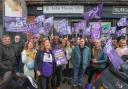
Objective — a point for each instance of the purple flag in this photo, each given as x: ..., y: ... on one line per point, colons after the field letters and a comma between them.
x: 122, y: 22
x: 33, y: 28
x: 16, y: 24
x: 40, y: 19
x: 62, y: 27
x: 121, y: 32
x: 48, y: 24
x: 96, y: 30
x: 80, y: 26
x: 94, y: 13
x: 112, y: 30
x: 114, y: 58
x: 73, y: 30
x: 60, y: 57
x: 88, y: 31
x: 69, y: 30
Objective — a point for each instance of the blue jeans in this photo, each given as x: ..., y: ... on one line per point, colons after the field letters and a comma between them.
x: 78, y: 76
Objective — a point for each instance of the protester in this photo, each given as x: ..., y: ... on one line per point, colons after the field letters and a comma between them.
x: 45, y: 65
x: 114, y: 43
x: 36, y: 40
x: 18, y: 47
x: 122, y: 49
x: 81, y: 56
x: 78, y: 41
x: 28, y: 59
x: 98, y: 61
x: 7, y: 58
x: 68, y: 71
x: 58, y: 69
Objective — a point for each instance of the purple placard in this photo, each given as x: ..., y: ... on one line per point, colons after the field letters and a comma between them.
x: 60, y: 57
x: 94, y: 13
x: 16, y: 24
x: 96, y: 30
x: 114, y: 58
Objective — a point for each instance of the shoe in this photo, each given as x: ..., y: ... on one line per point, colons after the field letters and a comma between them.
x: 88, y: 86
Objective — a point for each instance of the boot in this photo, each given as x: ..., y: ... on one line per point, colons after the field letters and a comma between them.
x: 88, y: 86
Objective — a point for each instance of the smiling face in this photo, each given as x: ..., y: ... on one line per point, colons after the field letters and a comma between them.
x: 82, y: 42
x: 30, y: 45
x: 122, y: 43
x: 6, y: 40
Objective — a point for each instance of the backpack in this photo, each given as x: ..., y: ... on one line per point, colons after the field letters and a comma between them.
x: 47, y: 68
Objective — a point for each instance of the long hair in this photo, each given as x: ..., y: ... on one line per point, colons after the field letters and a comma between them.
x: 42, y: 45
x: 26, y: 45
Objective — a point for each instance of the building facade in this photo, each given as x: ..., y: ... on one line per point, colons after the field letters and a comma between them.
x: 73, y: 9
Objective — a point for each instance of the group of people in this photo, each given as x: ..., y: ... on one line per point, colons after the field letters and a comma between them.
x: 35, y: 58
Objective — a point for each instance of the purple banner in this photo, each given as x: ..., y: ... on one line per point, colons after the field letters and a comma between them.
x: 60, y: 57
x: 96, y: 30
x: 16, y: 24
x: 122, y: 22
x: 121, y: 32
x: 94, y: 13
x: 114, y: 58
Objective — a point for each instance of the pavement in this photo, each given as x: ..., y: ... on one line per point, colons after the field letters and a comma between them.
x: 68, y: 86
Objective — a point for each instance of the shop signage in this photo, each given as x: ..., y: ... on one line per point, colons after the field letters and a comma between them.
x: 120, y: 10
x: 63, y: 9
